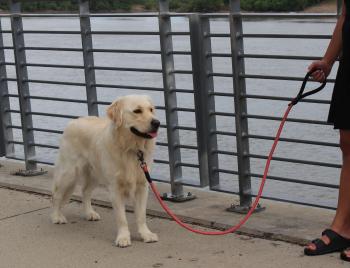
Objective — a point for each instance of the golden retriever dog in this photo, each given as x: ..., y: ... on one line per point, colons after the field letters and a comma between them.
x: 104, y: 151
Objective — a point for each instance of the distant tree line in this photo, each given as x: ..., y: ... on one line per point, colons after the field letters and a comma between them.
x: 175, y: 5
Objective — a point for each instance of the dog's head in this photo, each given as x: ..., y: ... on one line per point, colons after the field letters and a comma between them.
x: 136, y: 113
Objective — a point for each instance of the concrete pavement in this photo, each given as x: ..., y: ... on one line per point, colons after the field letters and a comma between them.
x: 28, y: 239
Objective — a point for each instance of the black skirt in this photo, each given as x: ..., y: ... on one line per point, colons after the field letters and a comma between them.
x: 339, y: 112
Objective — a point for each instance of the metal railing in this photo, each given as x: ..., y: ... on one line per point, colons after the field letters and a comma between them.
x: 176, y: 148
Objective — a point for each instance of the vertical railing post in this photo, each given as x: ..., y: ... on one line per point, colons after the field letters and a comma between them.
x: 240, y: 102
x: 23, y: 87
x: 339, y: 6
x: 166, y: 45
x: 6, y: 134
x: 203, y: 84
x: 86, y: 39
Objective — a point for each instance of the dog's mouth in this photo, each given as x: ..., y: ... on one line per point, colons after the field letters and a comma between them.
x: 147, y: 135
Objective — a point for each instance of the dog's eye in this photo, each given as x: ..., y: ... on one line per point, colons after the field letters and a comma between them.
x: 151, y: 110
x: 138, y: 111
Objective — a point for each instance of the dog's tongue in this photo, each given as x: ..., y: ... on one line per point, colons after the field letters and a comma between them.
x: 153, y: 134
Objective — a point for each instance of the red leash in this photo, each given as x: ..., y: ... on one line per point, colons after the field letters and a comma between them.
x: 253, y: 207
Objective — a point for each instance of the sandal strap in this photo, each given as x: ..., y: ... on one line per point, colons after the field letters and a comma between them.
x: 319, y: 243
x: 332, y: 235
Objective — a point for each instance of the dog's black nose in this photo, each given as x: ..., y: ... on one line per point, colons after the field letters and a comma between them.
x: 155, y: 123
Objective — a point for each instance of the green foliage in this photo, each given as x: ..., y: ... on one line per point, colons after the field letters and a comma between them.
x: 196, y: 5
x: 276, y: 5
x: 175, y: 5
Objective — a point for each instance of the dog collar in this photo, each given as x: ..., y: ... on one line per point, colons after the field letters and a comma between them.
x: 140, y: 134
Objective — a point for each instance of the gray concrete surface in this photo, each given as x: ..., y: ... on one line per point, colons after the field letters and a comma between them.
x: 28, y: 239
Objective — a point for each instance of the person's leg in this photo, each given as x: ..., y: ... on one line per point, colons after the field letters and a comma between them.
x: 341, y: 221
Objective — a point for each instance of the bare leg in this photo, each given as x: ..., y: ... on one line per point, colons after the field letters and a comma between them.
x: 118, y: 202
x: 140, y: 213
x: 341, y: 221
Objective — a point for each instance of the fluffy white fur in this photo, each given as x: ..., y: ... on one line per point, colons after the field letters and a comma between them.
x: 103, y: 151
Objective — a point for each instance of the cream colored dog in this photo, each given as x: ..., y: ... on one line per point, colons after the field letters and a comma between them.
x: 104, y: 151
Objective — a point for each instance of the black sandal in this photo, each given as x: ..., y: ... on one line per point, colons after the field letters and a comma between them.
x: 344, y: 256
x: 337, y: 243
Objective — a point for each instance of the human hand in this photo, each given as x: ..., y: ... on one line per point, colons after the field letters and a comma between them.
x: 321, y: 70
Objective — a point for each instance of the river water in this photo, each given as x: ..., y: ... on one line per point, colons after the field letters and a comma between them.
x: 316, y: 195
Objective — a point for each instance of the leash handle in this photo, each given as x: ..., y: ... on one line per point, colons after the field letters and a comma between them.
x: 301, y: 93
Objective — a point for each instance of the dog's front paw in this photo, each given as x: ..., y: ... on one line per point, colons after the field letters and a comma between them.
x: 149, y: 237
x: 123, y: 241
x: 92, y: 216
x: 58, y: 218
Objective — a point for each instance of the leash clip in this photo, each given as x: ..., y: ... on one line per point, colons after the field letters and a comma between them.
x: 143, y: 165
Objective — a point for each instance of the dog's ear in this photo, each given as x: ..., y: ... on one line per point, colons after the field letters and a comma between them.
x: 114, y: 112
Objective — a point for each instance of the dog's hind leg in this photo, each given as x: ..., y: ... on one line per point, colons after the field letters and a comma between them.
x: 140, y: 204
x: 64, y: 184
x: 88, y: 185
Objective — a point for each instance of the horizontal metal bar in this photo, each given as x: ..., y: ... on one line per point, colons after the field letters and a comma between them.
x: 8, y: 63
x: 127, y: 51
x: 187, y: 165
x: 181, y: 72
x: 305, y: 121
x: 221, y: 94
x: 225, y: 171
x: 181, y: 109
x: 292, y: 36
x: 220, y: 74
x: 218, y: 35
x: 178, y: 33
x: 311, y: 183
x: 54, y: 49
x: 329, y: 144
x: 9, y: 79
x: 224, y: 152
x: 49, y: 32
x: 183, y: 90
x: 159, y: 161
x: 184, y: 53
x: 146, y: 70
x: 138, y: 33
x: 190, y: 147
x: 54, y: 115
x: 37, y: 81
x: 6, y: 47
x: 279, y: 57
x: 38, y: 129
x: 12, y: 111
x: 185, y: 128
x: 11, y: 95
x: 45, y: 146
x: 275, y: 77
x: 224, y: 133
x: 296, y: 161
x: 15, y: 142
x: 251, y: 96
x: 129, y: 87
x: 54, y: 65
x: 56, y: 99
x: 53, y: 131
